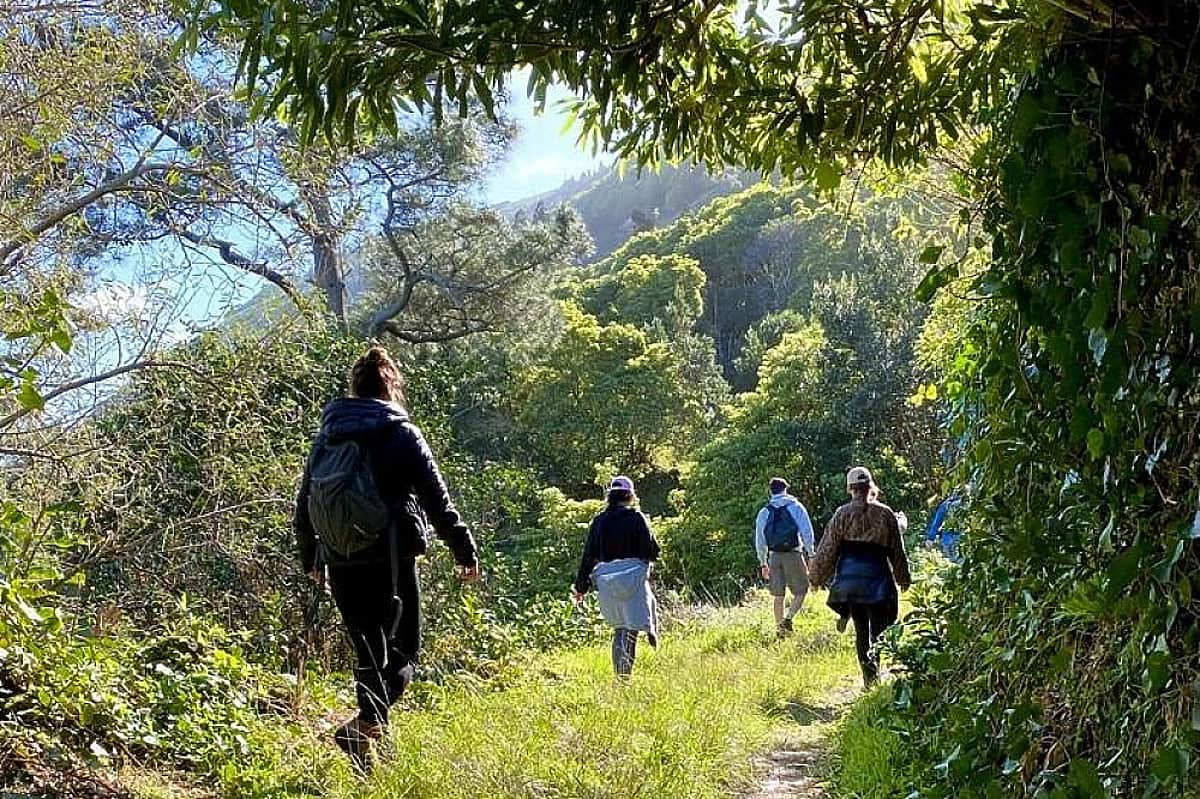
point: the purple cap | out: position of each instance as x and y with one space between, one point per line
621 483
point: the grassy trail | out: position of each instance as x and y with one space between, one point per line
700 719
797 766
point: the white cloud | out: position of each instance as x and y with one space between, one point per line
544 156
115 302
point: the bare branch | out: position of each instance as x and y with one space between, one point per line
231 256
82 382
432 336
71 207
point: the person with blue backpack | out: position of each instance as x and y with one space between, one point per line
370 490
783 540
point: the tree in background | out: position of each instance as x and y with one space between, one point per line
608 396
665 289
467 272
139 190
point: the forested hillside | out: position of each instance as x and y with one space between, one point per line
617 203
155 618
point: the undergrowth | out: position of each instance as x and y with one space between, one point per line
872 760
190 716
687 725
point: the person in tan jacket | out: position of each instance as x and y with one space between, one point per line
862 560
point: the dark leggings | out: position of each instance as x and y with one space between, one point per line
386 644
624 650
870 620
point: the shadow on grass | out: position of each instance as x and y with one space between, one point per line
800 712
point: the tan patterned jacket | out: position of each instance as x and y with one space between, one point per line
870 522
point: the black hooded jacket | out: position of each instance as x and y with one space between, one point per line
407 476
617 532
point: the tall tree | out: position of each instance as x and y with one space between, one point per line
466 272
129 169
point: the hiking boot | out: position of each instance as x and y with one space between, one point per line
841 623
870 675
355 738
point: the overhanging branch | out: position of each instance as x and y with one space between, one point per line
149 363
74 206
432 336
230 255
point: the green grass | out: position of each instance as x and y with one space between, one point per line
719 690
871 761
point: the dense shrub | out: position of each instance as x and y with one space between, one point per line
1064 662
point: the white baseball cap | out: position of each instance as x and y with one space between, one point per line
621 483
859 475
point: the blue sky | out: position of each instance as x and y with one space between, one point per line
544 156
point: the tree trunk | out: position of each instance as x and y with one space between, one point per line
329 268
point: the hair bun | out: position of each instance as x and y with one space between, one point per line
376 375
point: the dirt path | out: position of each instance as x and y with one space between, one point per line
797 767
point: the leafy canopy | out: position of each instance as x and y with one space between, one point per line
659 79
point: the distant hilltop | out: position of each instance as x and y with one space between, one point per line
616 205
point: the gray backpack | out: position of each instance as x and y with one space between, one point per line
344 503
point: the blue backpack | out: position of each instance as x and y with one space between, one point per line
781 532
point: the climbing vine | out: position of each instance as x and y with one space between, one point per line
1066 665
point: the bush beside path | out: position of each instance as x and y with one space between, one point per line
721 709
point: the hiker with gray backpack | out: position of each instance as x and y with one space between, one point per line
783 539
370 490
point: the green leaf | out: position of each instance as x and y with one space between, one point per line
1164 568
1085 777
1171 762
931 254
935 279
828 176
1095 443
1122 570
917 65
28 397
25 609
1157 672
62 339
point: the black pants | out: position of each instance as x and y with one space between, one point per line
870 620
385 628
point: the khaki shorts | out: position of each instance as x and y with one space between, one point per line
789 570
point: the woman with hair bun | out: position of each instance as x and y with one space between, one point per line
369 486
862 560
616 561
